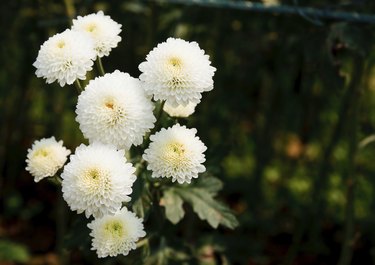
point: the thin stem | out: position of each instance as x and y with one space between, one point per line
366 141
70 10
78 86
142 242
139 167
61 229
58 179
160 112
99 65
349 173
321 180
306 12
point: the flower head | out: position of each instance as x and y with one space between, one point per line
97 180
177 71
103 30
113 109
180 110
65 57
116 234
175 153
45 157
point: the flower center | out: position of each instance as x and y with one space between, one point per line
175 62
43 152
114 113
91 28
114 228
94 173
109 105
95 182
174 155
177 148
61 44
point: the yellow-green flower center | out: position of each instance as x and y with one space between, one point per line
43 152
177 148
94 173
94 181
175 62
174 154
61 44
91 28
115 228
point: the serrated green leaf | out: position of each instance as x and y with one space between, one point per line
207 208
210 184
173 206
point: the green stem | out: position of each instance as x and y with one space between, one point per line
78 86
99 65
139 167
160 112
321 181
70 10
61 229
142 242
56 180
366 141
349 173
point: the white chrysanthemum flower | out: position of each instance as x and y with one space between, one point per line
175 153
180 110
65 57
177 71
45 157
116 234
113 109
97 180
102 29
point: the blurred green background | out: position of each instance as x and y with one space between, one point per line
288 127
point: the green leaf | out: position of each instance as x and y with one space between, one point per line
13 252
173 206
210 184
201 197
207 207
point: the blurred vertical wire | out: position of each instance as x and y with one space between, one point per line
311 14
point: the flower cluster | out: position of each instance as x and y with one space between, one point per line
116 112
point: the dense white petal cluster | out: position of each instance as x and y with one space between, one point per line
65 57
116 234
113 109
45 157
97 180
102 29
175 153
177 71
180 111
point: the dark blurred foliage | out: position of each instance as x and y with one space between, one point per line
292 101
